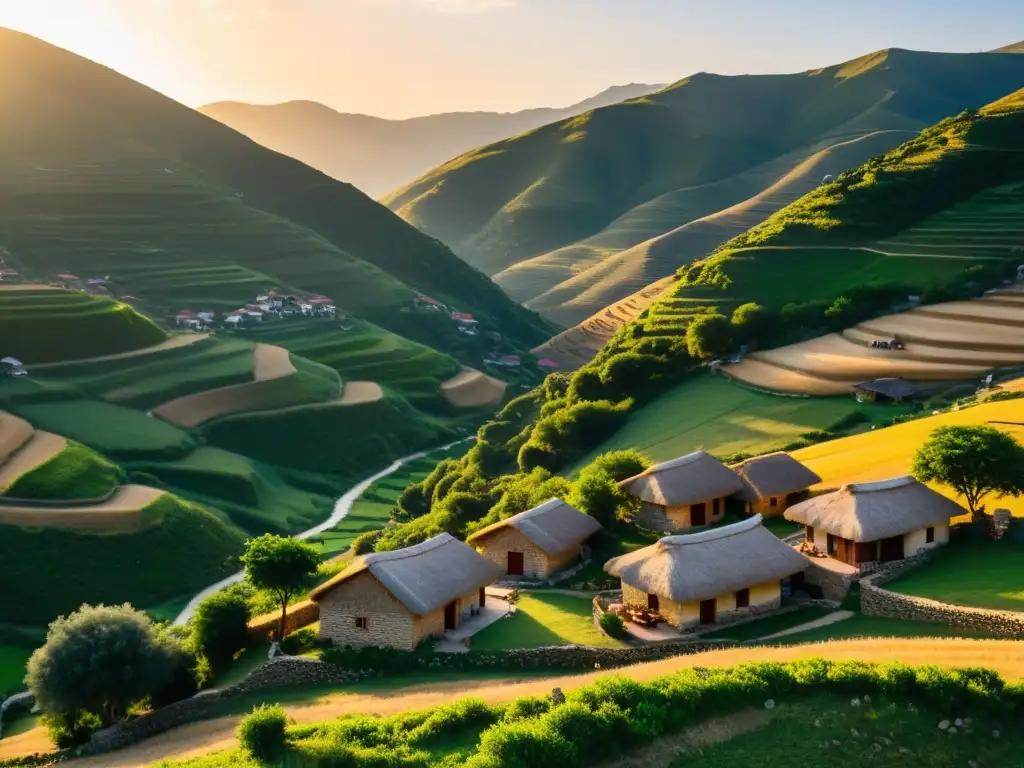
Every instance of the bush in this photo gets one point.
(300, 641)
(220, 627)
(365, 542)
(262, 733)
(71, 729)
(612, 624)
(709, 336)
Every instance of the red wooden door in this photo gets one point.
(451, 616)
(652, 602)
(708, 613)
(515, 563)
(698, 514)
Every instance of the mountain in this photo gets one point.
(100, 175)
(582, 213)
(379, 155)
(1012, 48)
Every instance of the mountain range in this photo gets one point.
(578, 219)
(100, 175)
(379, 155)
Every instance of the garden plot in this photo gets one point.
(122, 512)
(358, 392)
(764, 375)
(38, 450)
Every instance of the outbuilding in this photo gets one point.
(890, 390)
(683, 493)
(711, 577)
(773, 482)
(863, 524)
(537, 543)
(396, 599)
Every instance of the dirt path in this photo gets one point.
(359, 392)
(473, 389)
(176, 341)
(119, 513)
(12, 287)
(14, 433)
(269, 363)
(824, 621)
(1004, 656)
(39, 449)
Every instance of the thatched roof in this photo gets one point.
(699, 566)
(873, 511)
(424, 577)
(554, 526)
(775, 474)
(686, 480)
(894, 388)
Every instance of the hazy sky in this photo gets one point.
(397, 58)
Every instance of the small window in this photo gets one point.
(362, 623)
(773, 502)
(743, 598)
(929, 535)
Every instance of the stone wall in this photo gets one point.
(537, 564)
(299, 615)
(876, 601)
(382, 620)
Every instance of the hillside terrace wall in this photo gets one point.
(876, 601)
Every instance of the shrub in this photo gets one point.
(300, 641)
(365, 542)
(71, 729)
(220, 627)
(525, 744)
(612, 624)
(709, 336)
(262, 733)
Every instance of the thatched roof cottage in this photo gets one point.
(536, 543)
(683, 493)
(876, 522)
(399, 598)
(709, 577)
(773, 482)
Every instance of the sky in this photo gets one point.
(400, 58)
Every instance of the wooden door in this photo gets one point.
(698, 514)
(451, 615)
(652, 603)
(483, 596)
(708, 612)
(865, 552)
(515, 563)
(892, 549)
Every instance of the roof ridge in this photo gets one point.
(880, 485)
(406, 552)
(681, 461)
(546, 506)
(714, 534)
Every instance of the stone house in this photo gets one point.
(397, 599)
(711, 577)
(683, 493)
(773, 482)
(865, 524)
(537, 543)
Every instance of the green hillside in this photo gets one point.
(578, 214)
(42, 326)
(103, 176)
(940, 216)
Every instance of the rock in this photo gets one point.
(944, 725)
(867, 698)
(904, 751)
(973, 764)
(770, 704)
(959, 723)
(557, 697)
(854, 702)
(836, 742)
(995, 734)
(817, 723)
(951, 730)
(855, 733)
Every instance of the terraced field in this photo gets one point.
(957, 340)
(473, 389)
(41, 325)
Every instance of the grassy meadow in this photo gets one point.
(12, 668)
(983, 574)
(544, 618)
(74, 473)
(723, 418)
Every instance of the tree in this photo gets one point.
(709, 336)
(974, 461)
(596, 490)
(220, 627)
(281, 566)
(100, 659)
(753, 322)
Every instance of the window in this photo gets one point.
(743, 598)
(773, 502)
(715, 507)
(929, 535)
(362, 622)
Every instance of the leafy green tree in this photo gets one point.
(220, 627)
(281, 566)
(596, 490)
(753, 322)
(621, 464)
(975, 461)
(100, 659)
(709, 336)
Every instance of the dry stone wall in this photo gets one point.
(876, 601)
